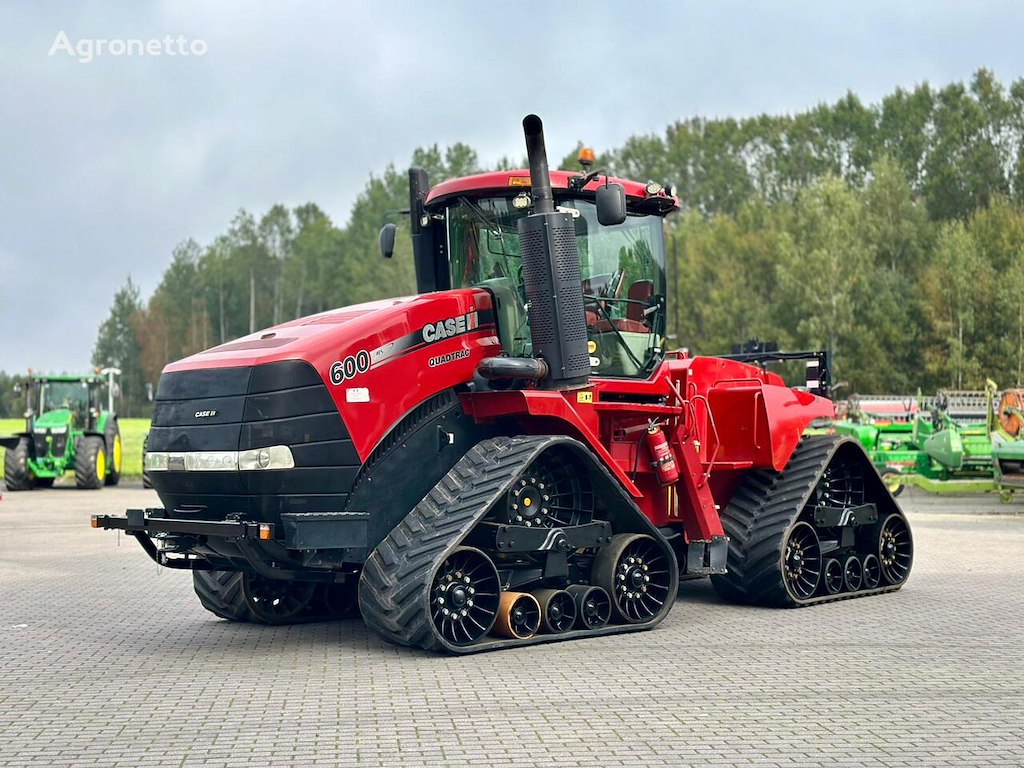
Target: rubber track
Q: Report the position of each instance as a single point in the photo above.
(220, 592)
(756, 521)
(395, 583)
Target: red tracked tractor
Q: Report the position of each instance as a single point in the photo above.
(511, 456)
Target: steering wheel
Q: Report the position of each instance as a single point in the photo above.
(614, 286)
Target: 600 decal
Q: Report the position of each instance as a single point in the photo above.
(350, 367)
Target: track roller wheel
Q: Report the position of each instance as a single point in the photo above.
(557, 610)
(464, 596)
(801, 561)
(634, 570)
(833, 576)
(872, 572)
(518, 616)
(853, 573)
(593, 606)
(895, 549)
(274, 601)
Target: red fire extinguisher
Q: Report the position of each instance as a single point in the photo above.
(664, 462)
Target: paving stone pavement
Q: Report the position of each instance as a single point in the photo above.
(108, 660)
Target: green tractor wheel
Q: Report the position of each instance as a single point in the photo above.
(17, 476)
(90, 462)
(112, 439)
(893, 480)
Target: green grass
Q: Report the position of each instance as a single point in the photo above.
(133, 431)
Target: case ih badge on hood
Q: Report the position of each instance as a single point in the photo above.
(501, 491)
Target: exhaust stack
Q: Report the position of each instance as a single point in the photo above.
(551, 274)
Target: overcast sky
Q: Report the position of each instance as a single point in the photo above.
(106, 164)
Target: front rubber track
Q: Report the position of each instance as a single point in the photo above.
(394, 589)
(757, 521)
(222, 593)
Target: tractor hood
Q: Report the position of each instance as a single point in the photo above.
(60, 418)
(375, 362)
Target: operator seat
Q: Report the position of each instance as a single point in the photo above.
(639, 294)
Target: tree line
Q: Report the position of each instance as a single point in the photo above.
(891, 234)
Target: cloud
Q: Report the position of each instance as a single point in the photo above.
(109, 164)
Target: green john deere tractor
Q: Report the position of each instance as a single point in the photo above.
(68, 427)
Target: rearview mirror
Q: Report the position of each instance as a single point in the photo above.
(387, 240)
(611, 204)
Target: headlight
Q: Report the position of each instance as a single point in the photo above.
(271, 457)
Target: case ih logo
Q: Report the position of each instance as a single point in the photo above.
(205, 414)
(453, 326)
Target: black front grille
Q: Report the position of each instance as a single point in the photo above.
(237, 409)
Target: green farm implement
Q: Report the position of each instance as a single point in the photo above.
(954, 442)
(69, 426)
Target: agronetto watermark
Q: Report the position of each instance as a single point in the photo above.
(87, 49)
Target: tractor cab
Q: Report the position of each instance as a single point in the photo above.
(69, 400)
(466, 235)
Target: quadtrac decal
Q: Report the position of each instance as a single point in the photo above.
(431, 333)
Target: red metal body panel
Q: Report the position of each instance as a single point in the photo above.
(401, 363)
(382, 359)
(720, 416)
(505, 180)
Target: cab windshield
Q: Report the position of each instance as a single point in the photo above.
(73, 395)
(622, 268)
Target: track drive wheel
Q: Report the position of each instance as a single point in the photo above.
(17, 476)
(552, 492)
(112, 440)
(90, 462)
(634, 570)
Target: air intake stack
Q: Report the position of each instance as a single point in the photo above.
(551, 274)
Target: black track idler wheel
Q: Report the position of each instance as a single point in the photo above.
(593, 606)
(895, 549)
(464, 596)
(274, 601)
(557, 610)
(801, 561)
(634, 570)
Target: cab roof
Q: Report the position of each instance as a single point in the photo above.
(511, 182)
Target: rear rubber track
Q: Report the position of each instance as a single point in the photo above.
(757, 520)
